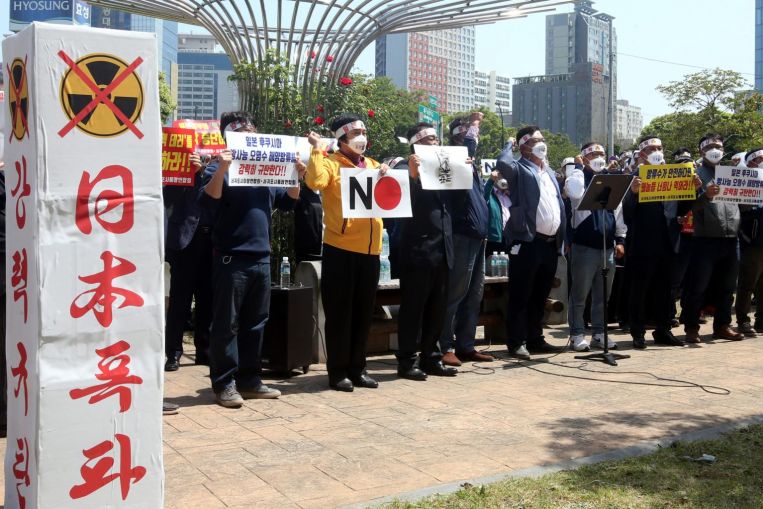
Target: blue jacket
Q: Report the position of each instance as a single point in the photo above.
(184, 213)
(468, 209)
(524, 186)
(242, 217)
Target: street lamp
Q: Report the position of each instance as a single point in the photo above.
(503, 127)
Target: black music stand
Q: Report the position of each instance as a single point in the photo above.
(605, 192)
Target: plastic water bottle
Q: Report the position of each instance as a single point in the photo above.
(504, 264)
(385, 271)
(285, 273)
(385, 243)
(492, 264)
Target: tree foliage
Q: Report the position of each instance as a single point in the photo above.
(166, 103)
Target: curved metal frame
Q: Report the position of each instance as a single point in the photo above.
(340, 28)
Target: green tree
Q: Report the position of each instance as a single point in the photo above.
(166, 103)
(489, 146)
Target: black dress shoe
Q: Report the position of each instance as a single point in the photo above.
(520, 352)
(412, 373)
(365, 381)
(543, 347)
(439, 369)
(343, 385)
(665, 337)
(639, 343)
(172, 364)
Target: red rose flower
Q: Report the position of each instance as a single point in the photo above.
(371, 113)
(319, 108)
(288, 124)
(329, 58)
(318, 120)
(345, 81)
(312, 54)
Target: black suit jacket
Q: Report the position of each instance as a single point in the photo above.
(184, 213)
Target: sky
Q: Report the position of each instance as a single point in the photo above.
(687, 35)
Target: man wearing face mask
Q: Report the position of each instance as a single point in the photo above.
(714, 250)
(751, 258)
(588, 229)
(535, 233)
(651, 244)
(351, 248)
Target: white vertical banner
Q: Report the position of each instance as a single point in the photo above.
(94, 241)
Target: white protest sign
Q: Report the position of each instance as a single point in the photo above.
(743, 186)
(262, 160)
(488, 166)
(84, 275)
(304, 148)
(366, 194)
(444, 167)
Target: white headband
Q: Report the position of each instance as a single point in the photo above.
(591, 149)
(346, 128)
(753, 155)
(708, 142)
(649, 143)
(236, 125)
(422, 134)
(524, 139)
(460, 129)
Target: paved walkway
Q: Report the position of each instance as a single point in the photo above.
(319, 448)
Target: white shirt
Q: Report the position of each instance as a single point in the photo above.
(548, 217)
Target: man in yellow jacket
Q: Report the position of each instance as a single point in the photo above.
(351, 248)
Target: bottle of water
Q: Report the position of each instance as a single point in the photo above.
(385, 271)
(285, 273)
(504, 264)
(492, 264)
(385, 243)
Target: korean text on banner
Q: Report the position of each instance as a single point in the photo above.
(84, 269)
(262, 160)
(177, 147)
(366, 194)
(444, 167)
(209, 139)
(743, 186)
(666, 182)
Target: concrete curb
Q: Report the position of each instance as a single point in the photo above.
(639, 449)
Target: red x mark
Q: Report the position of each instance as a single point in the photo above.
(101, 96)
(17, 92)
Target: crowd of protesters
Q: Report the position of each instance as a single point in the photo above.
(218, 245)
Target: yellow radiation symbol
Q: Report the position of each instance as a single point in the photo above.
(19, 98)
(102, 95)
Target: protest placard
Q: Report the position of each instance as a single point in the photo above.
(262, 160)
(488, 166)
(304, 148)
(444, 167)
(666, 182)
(177, 146)
(743, 186)
(366, 194)
(85, 286)
(209, 139)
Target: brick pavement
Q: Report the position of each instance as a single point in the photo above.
(319, 448)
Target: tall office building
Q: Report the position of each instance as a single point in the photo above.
(204, 91)
(493, 91)
(440, 63)
(628, 123)
(759, 45)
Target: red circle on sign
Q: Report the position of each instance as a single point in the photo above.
(387, 193)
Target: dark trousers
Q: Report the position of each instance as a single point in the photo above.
(531, 273)
(348, 289)
(241, 305)
(679, 266)
(649, 292)
(423, 298)
(710, 257)
(750, 282)
(190, 280)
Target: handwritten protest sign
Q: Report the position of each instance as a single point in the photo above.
(488, 166)
(209, 140)
(444, 167)
(177, 147)
(743, 186)
(366, 194)
(262, 160)
(666, 182)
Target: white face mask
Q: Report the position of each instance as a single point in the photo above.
(597, 164)
(714, 155)
(358, 144)
(539, 150)
(656, 157)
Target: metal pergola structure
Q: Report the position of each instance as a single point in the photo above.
(341, 29)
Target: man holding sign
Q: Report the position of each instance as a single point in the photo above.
(241, 274)
(714, 250)
(751, 258)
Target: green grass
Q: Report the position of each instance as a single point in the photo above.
(660, 480)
